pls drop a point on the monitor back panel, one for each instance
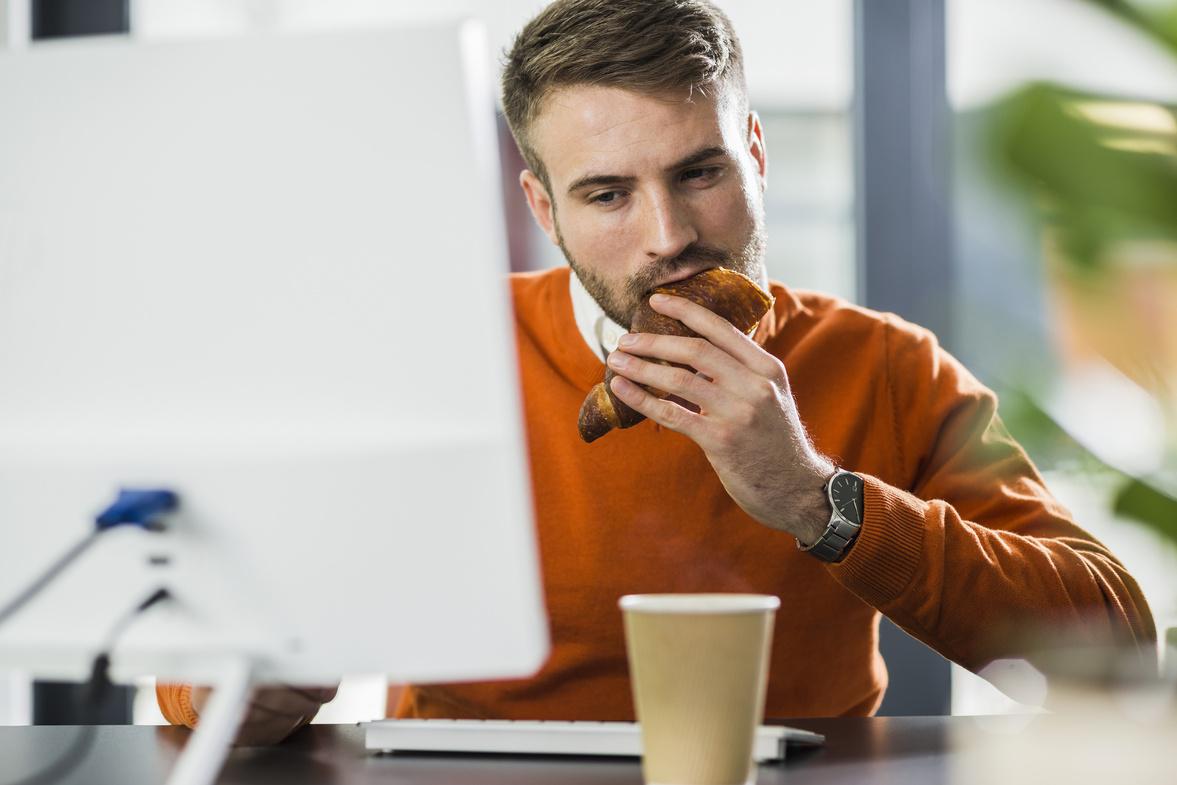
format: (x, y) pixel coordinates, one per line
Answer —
(270, 274)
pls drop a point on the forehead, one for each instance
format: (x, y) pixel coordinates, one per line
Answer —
(609, 130)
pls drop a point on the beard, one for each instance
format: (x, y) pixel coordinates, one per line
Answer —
(620, 303)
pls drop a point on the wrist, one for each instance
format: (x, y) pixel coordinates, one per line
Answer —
(810, 512)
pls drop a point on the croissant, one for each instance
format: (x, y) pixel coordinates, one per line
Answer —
(733, 296)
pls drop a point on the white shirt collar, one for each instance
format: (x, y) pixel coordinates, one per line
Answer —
(598, 330)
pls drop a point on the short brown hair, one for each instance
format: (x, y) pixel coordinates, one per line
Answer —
(648, 46)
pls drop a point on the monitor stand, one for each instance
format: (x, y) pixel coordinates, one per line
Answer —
(203, 755)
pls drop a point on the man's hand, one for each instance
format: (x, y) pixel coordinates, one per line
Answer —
(274, 712)
(747, 423)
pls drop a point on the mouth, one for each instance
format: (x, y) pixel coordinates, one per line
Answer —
(682, 275)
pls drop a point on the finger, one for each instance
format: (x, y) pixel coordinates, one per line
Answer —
(288, 700)
(316, 694)
(718, 331)
(669, 379)
(267, 733)
(665, 413)
(705, 357)
(268, 712)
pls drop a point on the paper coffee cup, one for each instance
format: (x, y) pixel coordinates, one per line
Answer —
(699, 668)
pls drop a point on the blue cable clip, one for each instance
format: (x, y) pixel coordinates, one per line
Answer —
(139, 508)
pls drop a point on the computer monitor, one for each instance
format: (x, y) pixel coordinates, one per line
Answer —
(268, 274)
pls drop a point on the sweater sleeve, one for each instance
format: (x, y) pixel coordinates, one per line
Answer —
(175, 702)
(964, 547)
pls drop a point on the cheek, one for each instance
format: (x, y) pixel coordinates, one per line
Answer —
(727, 213)
(601, 243)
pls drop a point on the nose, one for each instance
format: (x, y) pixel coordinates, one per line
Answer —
(668, 227)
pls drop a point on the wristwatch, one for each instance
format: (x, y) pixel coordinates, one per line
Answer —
(844, 490)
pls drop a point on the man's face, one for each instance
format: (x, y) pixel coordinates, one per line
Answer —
(648, 190)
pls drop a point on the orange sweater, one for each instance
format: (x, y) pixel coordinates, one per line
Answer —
(961, 543)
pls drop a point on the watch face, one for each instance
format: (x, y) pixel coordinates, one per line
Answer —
(846, 495)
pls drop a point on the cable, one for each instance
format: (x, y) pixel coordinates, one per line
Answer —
(46, 577)
(96, 690)
(132, 508)
(140, 508)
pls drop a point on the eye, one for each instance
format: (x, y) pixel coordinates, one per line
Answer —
(702, 174)
(607, 198)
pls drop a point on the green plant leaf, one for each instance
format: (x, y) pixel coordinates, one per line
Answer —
(1104, 169)
(1145, 503)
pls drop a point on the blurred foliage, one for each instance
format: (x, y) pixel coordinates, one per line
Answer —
(1146, 503)
(1104, 170)
(1048, 443)
(1104, 167)
(1102, 173)
(1138, 499)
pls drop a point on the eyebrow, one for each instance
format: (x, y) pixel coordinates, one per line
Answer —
(694, 158)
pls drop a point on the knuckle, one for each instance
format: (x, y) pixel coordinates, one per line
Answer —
(765, 391)
(673, 416)
(697, 349)
(777, 373)
(682, 379)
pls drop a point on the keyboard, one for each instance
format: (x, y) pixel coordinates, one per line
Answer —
(532, 737)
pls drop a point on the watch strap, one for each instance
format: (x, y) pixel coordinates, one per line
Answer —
(836, 540)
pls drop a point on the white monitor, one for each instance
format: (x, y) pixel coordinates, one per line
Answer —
(268, 274)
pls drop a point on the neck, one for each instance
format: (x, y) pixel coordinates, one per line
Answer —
(598, 330)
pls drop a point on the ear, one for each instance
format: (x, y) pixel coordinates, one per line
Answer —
(757, 149)
(540, 203)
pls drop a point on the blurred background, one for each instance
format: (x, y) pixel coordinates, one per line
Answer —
(1003, 172)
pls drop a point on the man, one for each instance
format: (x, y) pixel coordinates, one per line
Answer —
(645, 166)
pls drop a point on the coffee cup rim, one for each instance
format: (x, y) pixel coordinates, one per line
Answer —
(699, 603)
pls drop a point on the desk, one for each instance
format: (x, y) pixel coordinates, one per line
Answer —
(899, 750)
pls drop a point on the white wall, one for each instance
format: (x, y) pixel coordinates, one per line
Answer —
(798, 52)
(994, 45)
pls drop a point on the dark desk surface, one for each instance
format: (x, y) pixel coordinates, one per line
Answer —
(907, 750)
